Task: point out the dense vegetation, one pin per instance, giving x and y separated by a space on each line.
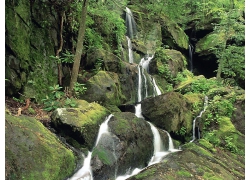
41 40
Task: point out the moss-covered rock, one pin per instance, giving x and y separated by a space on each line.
209 43
105 60
129 145
169 111
104 88
174 60
173 35
196 161
29 44
82 123
33 152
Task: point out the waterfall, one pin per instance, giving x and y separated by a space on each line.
139 85
85 173
190 50
159 150
157 90
194 121
130 51
103 129
130 24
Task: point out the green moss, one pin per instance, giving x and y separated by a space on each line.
103 155
148 173
209 176
198 149
184 173
33 152
210 42
207 145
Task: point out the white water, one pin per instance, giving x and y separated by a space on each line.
130 51
194 121
85 173
159 150
158 92
134 172
190 49
130 23
103 129
139 94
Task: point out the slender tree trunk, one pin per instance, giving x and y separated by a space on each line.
79 47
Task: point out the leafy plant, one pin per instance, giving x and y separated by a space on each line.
18 100
212 138
230 145
98 65
57 99
79 89
182 131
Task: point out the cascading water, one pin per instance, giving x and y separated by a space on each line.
130 24
190 50
159 150
85 173
103 129
131 32
157 90
130 51
194 121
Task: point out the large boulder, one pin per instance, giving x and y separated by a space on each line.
101 59
173 35
196 161
169 111
33 152
81 124
129 145
174 60
208 44
104 88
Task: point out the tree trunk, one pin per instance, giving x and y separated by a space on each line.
79 46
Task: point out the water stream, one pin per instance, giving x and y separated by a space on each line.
194 121
190 50
85 173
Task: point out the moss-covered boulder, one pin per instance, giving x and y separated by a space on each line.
169 111
128 80
167 63
104 88
81 124
209 43
129 145
101 59
172 34
196 161
33 152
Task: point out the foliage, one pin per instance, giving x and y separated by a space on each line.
79 89
230 145
57 99
212 138
98 65
182 131
103 23
162 63
66 57
182 76
201 85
